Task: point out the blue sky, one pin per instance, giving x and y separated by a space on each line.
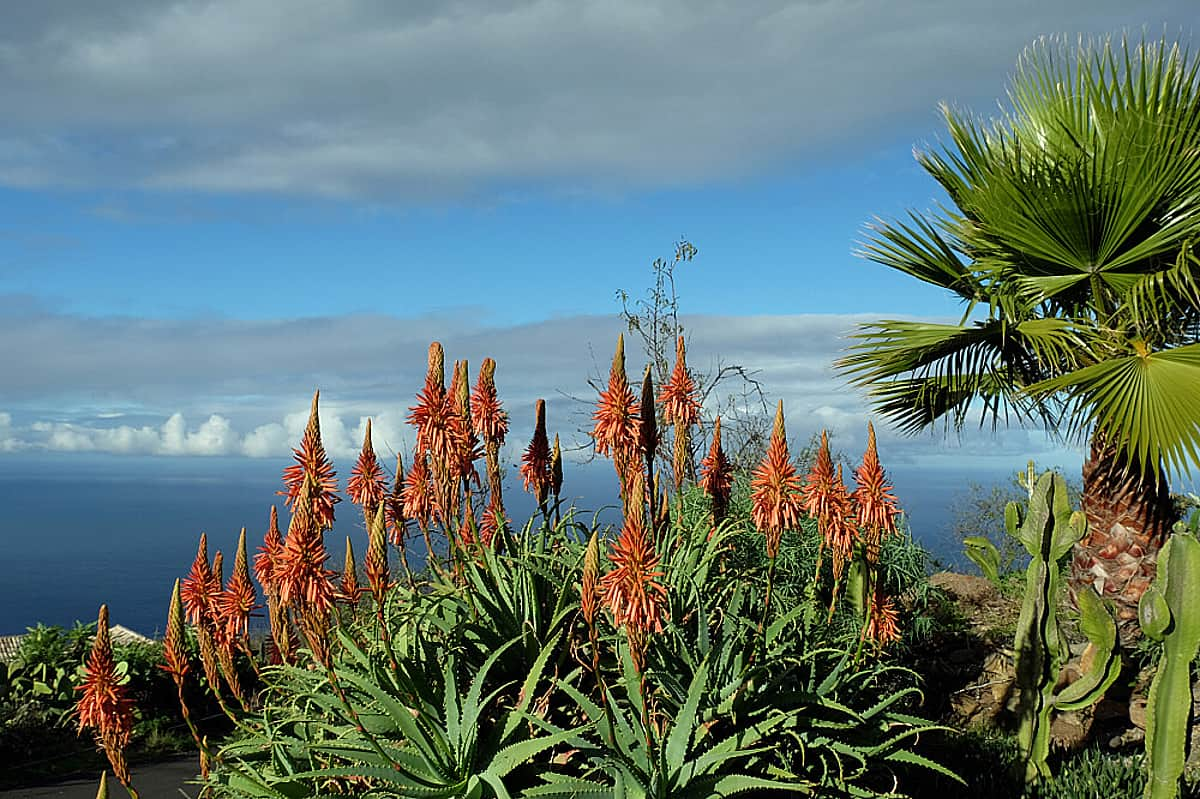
209 208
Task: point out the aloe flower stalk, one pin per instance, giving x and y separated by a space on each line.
589 595
490 423
197 588
535 463
418 500
877 505
376 564
841 529
178 665
681 409
775 489
268 554
349 584
104 705
427 416
632 591
648 437
303 580
820 496
312 462
884 625
494 520
237 600
617 430
378 580
467 442
716 477
366 485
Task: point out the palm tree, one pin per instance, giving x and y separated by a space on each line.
1068 241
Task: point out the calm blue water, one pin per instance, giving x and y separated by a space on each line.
77 531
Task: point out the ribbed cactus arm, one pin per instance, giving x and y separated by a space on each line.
1170 611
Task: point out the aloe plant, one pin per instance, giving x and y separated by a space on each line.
1169 612
1048 530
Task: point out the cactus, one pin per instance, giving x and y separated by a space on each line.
983 553
1169 612
1048 530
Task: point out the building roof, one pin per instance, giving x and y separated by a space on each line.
10 645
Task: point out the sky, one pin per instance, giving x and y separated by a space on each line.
210 209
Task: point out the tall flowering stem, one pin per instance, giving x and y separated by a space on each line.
648 439
820 497
775 496
395 519
104 705
877 509
490 422
349 587
178 665
313 463
617 430
378 579
556 478
681 409
437 425
265 564
841 532
716 477
535 463
305 585
366 486
874 498
418 501
236 603
632 590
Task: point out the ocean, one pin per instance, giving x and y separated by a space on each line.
79 530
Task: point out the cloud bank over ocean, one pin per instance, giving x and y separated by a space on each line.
222 387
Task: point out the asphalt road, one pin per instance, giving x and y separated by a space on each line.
166 780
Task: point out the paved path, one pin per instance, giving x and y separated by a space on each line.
166 780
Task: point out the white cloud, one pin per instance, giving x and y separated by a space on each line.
412 100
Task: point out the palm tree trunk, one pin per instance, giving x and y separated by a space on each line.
1129 514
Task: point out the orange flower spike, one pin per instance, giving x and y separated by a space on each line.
884 626
376 564
632 591
394 517
775 489
302 576
716 475
877 505
237 601
588 592
349 585
488 419
175 651
312 461
535 463
818 491
417 495
678 395
197 587
617 430
430 415
494 520
216 583
268 554
366 486
840 528
103 703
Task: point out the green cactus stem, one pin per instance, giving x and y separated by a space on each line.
1169 612
1048 530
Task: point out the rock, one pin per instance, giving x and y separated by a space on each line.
1137 712
1070 730
965 588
